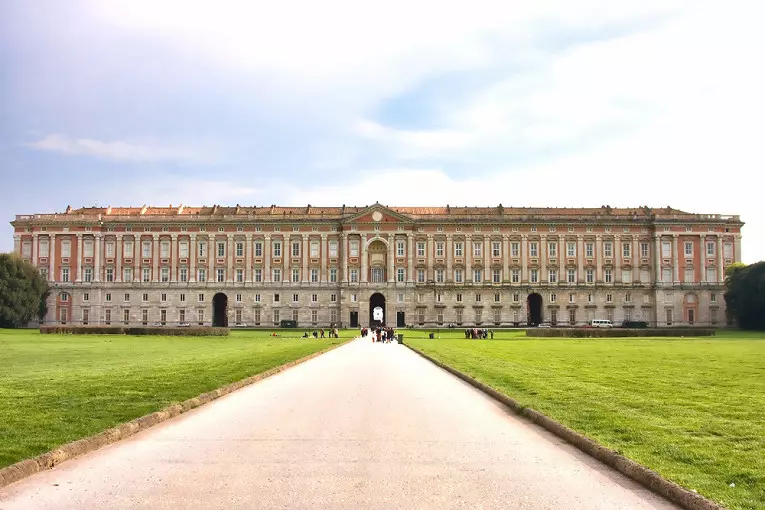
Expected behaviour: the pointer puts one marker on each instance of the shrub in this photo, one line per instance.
(617, 332)
(135, 330)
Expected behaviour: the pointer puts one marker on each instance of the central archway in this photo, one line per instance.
(534, 309)
(220, 310)
(376, 301)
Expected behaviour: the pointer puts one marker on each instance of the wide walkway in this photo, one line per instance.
(368, 425)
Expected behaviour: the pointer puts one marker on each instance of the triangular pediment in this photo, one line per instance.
(378, 213)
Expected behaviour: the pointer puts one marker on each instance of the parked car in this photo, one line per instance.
(544, 325)
(184, 325)
(240, 325)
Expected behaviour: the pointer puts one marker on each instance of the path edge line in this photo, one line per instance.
(28, 467)
(646, 477)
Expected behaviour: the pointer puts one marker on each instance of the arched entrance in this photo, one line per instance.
(220, 310)
(534, 309)
(377, 301)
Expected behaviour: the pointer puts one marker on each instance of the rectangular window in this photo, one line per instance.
(477, 249)
(258, 249)
(609, 298)
(711, 274)
(590, 275)
(477, 298)
(516, 297)
(689, 274)
(183, 249)
(163, 297)
(239, 275)
(221, 251)
(109, 274)
(400, 297)
(515, 249)
(165, 274)
(314, 276)
(296, 249)
(400, 249)
(571, 249)
(669, 316)
(496, 276)
(182, 298)
(571, 276)
(277, 247)
(354, 248)
(713, 298)
(534, 276)
(477, 276)
(202, 249)
(610, 314)
(295, 275)
(439, 249)
(201, 317)
(497, 297)
(458, 276)
(164, 249)
(608, 249)
(608, 276)
(552, 250)
(314, 316)
(458, 249)
(572, 317)
(533, 250)
(277, 274)
(333, 249)
(377, 275)
(87, 248)
(296, 298)
(333, 316)
(572, 298)
(354, 275)
(146, 249)
(689, 249)
(710, 250)
(626, 253)
(127, 248)
(552, 276)
(400, 274)
(314, 298)
(239, 249)
(201, 274)
(420, 249)
(146, 275)
(459, 298)
(66, 248)
(421, 276)
(478, 315)
(439, 276)
(333, 275)
(200, 298)
(184, 275)
(333, 298)
(181, 315)
(644, 250)
(458, 315)
(515, 276)
(277, 298)
(314, 249)
(127, 273)
(44, 248)
(589, 250)
(86, 296)
(257, 275)
(107, 316)
(553, 298)
(626, 276)
(257, 298)
(666, 275)
(88, 276)
(126, 297)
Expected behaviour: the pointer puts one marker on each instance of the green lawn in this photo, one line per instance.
(59, 388)
(691, 409)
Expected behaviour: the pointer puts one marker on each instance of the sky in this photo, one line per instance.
(424, 103)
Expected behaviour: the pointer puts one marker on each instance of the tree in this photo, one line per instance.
(23, 292)
(745, 295)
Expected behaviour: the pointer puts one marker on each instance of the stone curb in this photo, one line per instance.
(68, 451)
(641, 474)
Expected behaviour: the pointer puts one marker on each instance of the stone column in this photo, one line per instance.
(703, 258)
(230, 252)
(118, 258)
(52, 259)
(193, 250)
(35, 240)
(721, 257)
(391, 258)
(410, 257)
(675, 260)
(96, 258)
(737, 248)
(364, 259)
(598, 258)
(449, 256)
(155, 259)
(635, 259)
(544, 275)
(580, 259)
(267, 259)
(618, 259)
(79, 258)
(306, 248)
(174, 258)
(343, 247)
(468, 258)
(657, 257)
(562, 276)
(486, 259)
(248, 258)
(506, 256)
(524, 259)
(212, 255)
(429, 253)
(17, 244)
(324, 257)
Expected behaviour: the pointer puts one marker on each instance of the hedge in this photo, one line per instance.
(617, 332)
(135, 330)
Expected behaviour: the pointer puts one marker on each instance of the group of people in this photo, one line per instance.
(332, 333)
(478, 333)
(380, 334)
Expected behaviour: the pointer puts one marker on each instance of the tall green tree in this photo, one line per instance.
(745, 295)
(23, 292)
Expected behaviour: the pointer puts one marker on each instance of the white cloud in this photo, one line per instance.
(119, 150)
(421, 144)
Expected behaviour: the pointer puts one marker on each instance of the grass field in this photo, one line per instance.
(691, 409)
(59, 388)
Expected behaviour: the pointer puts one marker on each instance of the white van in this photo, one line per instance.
(601, 323)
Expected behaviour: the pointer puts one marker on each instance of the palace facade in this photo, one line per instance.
(424, 266)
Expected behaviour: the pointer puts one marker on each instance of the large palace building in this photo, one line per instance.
(423, 266)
